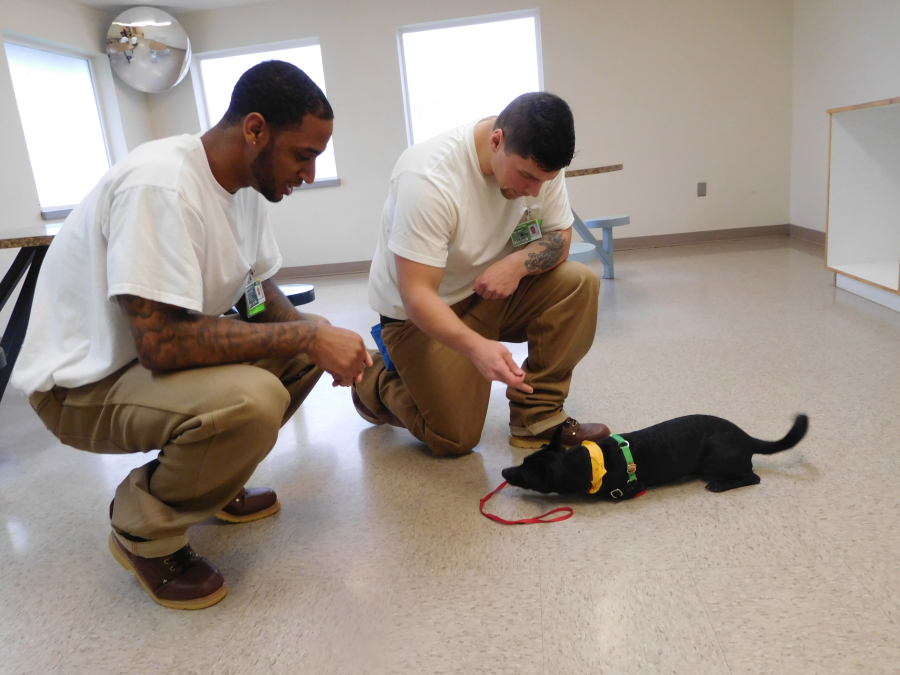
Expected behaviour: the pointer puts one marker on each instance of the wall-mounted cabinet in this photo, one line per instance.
(863, 228)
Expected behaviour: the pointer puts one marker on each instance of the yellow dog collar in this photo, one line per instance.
(598, 470)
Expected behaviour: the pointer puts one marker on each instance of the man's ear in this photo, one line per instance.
(255, 129)
(496, 139)
(556, 443)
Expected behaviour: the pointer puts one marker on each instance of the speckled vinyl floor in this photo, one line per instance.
(379, 561)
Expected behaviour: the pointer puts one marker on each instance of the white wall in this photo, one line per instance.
(58, 21)
(845, 52)
(679, 91)
(68, 25)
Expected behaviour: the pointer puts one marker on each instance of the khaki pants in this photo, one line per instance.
(212, 426)
(439, 395)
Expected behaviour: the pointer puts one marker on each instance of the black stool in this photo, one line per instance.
(298, 294)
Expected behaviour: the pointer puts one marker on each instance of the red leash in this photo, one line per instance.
(524, 521)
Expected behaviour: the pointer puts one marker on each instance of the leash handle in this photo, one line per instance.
(525, 521)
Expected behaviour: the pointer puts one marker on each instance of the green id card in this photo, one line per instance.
(527, 232)
(256, 299)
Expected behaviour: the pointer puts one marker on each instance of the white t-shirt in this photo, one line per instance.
(444, 212)
(158, 226)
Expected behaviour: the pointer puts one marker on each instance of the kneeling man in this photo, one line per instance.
(473, 240)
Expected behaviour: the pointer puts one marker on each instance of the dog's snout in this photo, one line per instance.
(512, 475)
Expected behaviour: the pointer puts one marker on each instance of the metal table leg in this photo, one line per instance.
(30, 259)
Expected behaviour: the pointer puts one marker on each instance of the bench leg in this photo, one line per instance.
(601, 249)
(608, 271)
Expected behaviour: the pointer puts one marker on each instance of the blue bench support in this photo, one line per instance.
(603, 250)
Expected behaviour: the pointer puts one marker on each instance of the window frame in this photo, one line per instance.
(534, 13)
(200, 91)
(104, 87)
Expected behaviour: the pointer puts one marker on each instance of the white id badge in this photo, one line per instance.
(256, 299)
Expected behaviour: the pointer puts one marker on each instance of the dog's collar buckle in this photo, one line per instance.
(625, 447)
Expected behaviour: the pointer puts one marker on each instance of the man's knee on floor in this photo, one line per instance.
(461, 444)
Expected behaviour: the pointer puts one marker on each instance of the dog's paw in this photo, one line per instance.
(729, 483)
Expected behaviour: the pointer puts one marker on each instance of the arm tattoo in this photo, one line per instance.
(554, 243)
(171, 338)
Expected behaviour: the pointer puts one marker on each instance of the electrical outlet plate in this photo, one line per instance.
(701, 189)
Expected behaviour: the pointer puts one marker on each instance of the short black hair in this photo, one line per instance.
(280, 92)
(539, 126)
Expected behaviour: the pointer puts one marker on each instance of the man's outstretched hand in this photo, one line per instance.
(496, 364)
(341, 353)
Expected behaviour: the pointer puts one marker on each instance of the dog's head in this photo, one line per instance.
(553, 469)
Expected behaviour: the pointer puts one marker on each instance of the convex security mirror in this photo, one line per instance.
(148, 49)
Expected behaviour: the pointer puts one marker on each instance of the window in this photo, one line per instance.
(61, 120)
(458, 73)
(219, 73)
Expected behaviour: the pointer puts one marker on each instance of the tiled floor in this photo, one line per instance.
(379, 561)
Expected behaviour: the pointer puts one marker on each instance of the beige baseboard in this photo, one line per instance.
(331, 269)
(621, 244)
(704, 237)
(807, 234)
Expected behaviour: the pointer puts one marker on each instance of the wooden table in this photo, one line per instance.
(33, 243)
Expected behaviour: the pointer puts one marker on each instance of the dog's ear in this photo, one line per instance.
(556, 442)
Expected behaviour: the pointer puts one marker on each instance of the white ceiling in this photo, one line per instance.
(171, 6)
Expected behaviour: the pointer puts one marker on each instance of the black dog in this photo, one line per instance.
(663, 453)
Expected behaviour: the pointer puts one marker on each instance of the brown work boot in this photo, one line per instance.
(181, 580)
(574, 433)
(250, 504)
(361, 409)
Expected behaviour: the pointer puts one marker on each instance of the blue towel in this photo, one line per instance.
(376, 334)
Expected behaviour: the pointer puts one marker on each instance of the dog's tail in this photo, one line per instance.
(794, 436)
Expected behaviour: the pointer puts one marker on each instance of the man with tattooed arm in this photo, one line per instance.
(474, 238)
(127, 349)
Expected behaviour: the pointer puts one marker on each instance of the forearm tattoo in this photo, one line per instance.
(553, 245)
(171, 338)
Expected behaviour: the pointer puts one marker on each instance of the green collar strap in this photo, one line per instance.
(629, 460)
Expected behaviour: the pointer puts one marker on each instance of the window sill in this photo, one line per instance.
(60, 212)
(57, 212)
(325, 182)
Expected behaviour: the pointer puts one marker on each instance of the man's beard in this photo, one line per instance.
(509, 193)
(263, 171)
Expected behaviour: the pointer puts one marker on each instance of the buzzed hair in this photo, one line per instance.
(539, 126)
